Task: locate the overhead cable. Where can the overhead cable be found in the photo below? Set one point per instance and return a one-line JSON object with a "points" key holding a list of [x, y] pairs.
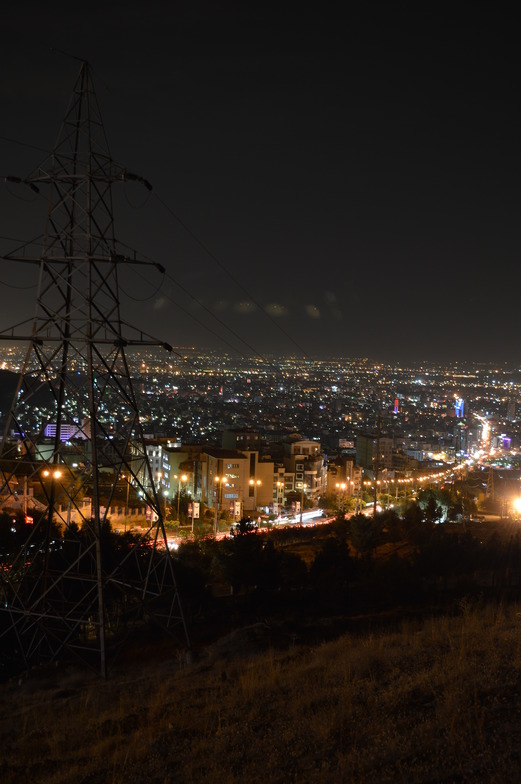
{"points": [[224, 269]]}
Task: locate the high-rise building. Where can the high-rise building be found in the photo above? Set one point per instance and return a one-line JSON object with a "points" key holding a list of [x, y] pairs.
{"points": [[373, 452]]}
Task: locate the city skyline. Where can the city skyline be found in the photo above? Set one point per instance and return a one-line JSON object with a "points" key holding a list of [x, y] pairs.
{"points": [[330, 400], [341, 191]]}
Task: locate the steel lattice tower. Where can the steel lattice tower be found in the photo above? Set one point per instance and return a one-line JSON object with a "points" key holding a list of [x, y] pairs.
{"points": [[78, 592]]}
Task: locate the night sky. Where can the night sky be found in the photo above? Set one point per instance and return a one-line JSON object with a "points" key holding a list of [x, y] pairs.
{"points": [[354, 175]]}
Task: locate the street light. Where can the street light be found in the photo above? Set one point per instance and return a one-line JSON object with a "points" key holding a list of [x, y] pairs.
{"points": [[341, 490], [255, 483], [182, 478], [303, 486], [165, 496], [219, 481], [123, 476], [56, 473], [25, 498], [53, 475], [280, 495]]}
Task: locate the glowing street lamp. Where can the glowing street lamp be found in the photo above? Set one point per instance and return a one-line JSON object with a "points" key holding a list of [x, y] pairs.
{"points": [[341, 488], [125, 477], [219, 481], [255, 483], [54, 474], [182, 478], [280, 495], [165, 497], [303, 486]]}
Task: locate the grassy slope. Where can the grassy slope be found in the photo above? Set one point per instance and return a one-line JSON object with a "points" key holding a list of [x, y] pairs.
{"points": [[436, 702]]}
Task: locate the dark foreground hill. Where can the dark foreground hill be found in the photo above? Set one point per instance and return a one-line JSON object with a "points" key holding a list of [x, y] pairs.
{"points": [[434, 701]]}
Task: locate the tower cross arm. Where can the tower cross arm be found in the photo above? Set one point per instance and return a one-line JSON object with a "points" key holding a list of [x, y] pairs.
{"points": [[109, 175], [111, 258]]}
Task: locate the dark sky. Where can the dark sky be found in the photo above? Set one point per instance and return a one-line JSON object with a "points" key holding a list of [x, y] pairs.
{"points": [[357, 173]]}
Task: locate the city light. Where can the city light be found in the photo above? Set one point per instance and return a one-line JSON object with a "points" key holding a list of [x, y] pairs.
{"points": [[455, 446], [54, 474]]}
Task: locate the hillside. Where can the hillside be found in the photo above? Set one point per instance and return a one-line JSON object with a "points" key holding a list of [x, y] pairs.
{"points": [[434, 701]]}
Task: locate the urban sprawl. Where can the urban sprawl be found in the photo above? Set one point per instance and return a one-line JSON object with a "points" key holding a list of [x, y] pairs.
{"points": [[275, 436]]}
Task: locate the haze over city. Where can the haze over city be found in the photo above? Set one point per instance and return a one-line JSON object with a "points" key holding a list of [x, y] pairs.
{"points": [[324, 184]]}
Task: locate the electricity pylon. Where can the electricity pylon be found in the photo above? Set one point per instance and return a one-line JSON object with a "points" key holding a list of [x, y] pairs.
{"points": [[74, 428]]}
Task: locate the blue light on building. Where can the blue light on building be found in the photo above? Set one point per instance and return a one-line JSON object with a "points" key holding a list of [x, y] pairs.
{"points": [[459, 407]]}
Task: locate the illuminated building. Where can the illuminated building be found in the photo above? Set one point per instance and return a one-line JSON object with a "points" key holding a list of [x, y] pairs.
{"points": [[459, 407]]}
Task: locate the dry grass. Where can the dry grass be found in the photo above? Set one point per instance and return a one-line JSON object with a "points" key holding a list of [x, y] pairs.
{"points": [[437, 702]]}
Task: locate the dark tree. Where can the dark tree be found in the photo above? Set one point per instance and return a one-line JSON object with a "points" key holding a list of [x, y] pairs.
{"points": [[331, 572], [366, 534]]}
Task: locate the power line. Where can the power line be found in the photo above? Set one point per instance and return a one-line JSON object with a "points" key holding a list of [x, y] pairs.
{"points": [[17, 239], [200, 304], [149, 296], [222, 323], [219, 263], [25, 144], [207, 250], [201, 324], [13, 286]]}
